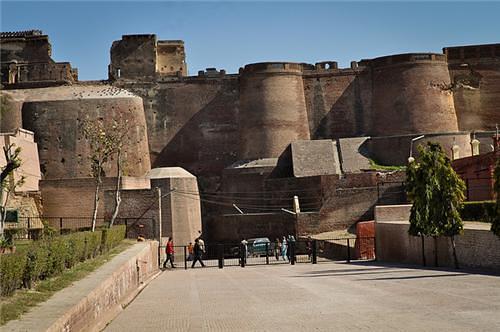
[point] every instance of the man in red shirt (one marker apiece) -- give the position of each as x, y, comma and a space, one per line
169, 250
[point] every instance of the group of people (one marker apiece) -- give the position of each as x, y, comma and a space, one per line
195, 252
281, 247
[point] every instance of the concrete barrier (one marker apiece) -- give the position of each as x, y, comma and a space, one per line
94, 301
477, 247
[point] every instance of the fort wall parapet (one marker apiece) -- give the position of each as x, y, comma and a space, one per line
21, 34
473, 52
406, 58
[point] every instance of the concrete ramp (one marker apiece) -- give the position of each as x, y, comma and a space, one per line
353, 154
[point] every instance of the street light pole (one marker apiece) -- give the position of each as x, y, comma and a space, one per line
413, 140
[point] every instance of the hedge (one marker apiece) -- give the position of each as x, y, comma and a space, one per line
112, 236
478, 211
49, 257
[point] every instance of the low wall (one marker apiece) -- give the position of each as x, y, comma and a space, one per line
477, 247
94, 301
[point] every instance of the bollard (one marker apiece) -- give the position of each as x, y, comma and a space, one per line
220, 254
267, 253
292, 252
29, 228
348, 252
314, 253
185, 258
243, 257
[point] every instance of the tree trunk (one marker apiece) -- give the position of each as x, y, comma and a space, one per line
424, 262
96, 201
455, 258
2, 211
435, 251
118, 198
3, 208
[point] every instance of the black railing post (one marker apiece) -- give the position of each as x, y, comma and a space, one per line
314, 252
29, 227
243, 255
126, 228
220, 255
185, 258
267, 253
348, 252
60, 225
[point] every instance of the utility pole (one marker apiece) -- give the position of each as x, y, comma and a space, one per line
159, 226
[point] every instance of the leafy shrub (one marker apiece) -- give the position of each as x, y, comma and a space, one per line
37, 260
52, 254
57, 256
478, 211
111, 237
11, 272
93, 244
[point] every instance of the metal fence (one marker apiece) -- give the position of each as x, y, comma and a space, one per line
311, 251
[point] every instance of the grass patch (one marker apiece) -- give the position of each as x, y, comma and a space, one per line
374, 165
14, 306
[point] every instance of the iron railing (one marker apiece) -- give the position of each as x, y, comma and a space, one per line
300, 251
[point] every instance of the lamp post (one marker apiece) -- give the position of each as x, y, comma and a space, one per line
413, 140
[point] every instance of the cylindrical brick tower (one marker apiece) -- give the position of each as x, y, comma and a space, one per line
272, 109
411, 94
56, 117
10, 116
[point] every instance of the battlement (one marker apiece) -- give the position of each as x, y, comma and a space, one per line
475, 52
406, 58
274, 67
21, 34
139, 36
26, 59
142, 55
170, 42
211, 72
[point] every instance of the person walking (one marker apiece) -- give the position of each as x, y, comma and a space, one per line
277, 249
190, 251
169, 250
309, 248
197, 253
284, 248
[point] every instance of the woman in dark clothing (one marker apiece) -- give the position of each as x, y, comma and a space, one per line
198, 251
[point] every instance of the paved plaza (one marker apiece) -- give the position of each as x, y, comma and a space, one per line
322, 297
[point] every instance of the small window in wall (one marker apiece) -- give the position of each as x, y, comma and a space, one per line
12, 216
118, 72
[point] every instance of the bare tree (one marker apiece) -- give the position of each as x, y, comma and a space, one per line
7, 182
105, 140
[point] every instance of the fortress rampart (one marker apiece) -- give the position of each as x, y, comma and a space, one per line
272, 109
475, 77
410, 94
206, 122
56, 115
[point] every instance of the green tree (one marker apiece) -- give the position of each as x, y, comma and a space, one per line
7, 182
106, 140
437, 194
495, 220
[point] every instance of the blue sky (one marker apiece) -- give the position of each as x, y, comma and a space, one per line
228, 35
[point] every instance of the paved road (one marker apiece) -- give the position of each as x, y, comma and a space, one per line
322, 297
